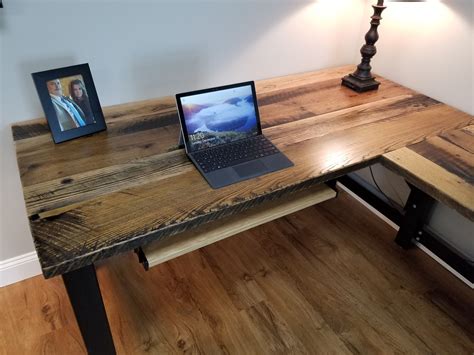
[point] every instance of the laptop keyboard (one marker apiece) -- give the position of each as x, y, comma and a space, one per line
234, 153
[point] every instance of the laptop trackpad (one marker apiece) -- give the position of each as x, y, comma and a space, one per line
251, 168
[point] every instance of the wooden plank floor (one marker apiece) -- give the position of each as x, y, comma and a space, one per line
327, 279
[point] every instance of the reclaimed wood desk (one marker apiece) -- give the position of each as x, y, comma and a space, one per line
99, 196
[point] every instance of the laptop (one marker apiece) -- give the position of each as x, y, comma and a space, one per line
223, 137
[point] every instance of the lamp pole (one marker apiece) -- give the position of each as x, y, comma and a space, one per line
362, 80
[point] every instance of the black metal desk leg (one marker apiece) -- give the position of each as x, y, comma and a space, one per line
417, 209
86, 300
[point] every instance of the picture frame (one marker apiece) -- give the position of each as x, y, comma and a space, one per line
70, 102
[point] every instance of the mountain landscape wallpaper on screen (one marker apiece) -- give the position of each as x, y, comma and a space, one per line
219, 117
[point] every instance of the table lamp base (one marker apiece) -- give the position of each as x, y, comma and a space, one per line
360, 85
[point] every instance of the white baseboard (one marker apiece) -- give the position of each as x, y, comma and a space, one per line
19, 268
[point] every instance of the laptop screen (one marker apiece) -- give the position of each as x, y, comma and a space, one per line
217, 116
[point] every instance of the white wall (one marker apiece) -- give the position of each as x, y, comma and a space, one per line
143, 49
429, 47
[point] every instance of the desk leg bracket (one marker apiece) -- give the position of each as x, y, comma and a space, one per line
417, 210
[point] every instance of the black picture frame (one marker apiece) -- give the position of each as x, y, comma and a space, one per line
65, 127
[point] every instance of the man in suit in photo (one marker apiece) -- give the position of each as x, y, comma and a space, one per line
68, 112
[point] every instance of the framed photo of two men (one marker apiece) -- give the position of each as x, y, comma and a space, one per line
70, 102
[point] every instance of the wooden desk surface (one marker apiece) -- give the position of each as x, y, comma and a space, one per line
442, 166
98, 196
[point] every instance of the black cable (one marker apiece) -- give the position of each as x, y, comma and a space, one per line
380, 190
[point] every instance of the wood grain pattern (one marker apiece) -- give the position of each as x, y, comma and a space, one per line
463, 138
442, 166
98, 196
432, 178
321, 280
450, 157
67, 192
469, 129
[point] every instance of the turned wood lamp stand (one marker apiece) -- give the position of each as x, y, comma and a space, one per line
362, 80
